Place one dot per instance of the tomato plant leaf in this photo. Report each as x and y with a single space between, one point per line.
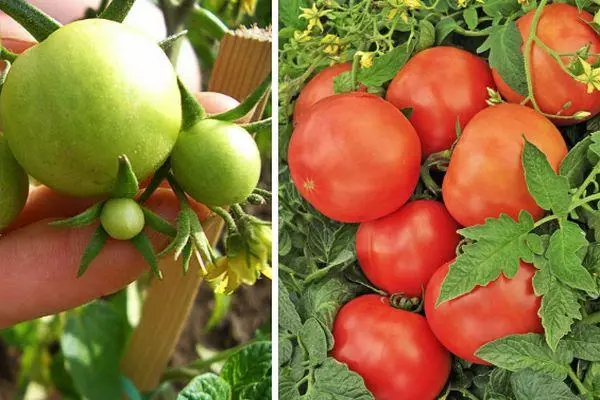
576 163
564 260
143 244
288 385
592 378
249 366
533 385
93 343
426 35
471 18
158 223
248 104
444 28
550 191
126 184
504 44
519 352
499 386
288 13
386 66
93 248
500 8
191 110
313 340
343 83
85 218
584 341
560 307
206 387
500 244
289 320
333 380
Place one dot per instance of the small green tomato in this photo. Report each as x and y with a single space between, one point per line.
123 219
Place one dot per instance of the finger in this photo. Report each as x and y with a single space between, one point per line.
39 264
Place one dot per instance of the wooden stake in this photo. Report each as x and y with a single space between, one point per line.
243 62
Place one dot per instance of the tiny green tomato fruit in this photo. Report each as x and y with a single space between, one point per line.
216 162
92 91
122 219
14 185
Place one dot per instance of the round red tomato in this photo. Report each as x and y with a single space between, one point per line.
485 177
400 251
318 88
564 29
355 157
504 307
393 350
441 84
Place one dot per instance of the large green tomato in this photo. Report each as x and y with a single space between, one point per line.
93 90
216 162
14 185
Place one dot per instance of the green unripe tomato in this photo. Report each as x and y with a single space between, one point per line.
93 90
122 219
14 185
216 162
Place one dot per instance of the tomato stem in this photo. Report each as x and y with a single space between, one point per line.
592 319
528 51
582 389
35 21
221 212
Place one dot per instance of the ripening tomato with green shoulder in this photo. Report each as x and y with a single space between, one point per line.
485 177
392 349
319 88
442 85
501 308
565 30
216 162
67 126
14 185
354 157
399 252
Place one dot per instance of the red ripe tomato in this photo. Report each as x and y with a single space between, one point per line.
355 157
564 29
400 251
485 177
393 350
318 88
503 307
441 84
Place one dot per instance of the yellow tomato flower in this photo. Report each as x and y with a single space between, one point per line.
590 76
332 44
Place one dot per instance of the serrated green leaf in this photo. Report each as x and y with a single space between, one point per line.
592 378
444 28
532 385
564 261
527 351
471 18
289 320
206 387
249 366
584 341
143 244
92 250
85 218
386 66
285 351
343 83
426 35
500 8
592 220
333 380
499 387
550 191
313 340
575 164
560 308
504 44
500 244
126 185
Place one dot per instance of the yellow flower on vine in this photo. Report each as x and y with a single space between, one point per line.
248 6
332 44
462 3
590 76
366 59
313 15
302 36
412 4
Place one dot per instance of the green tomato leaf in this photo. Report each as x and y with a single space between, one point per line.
248 104
92 250
247 367
500 8
93 343
584 342
592 220
527 351
289 320
499 386
286 350
86 218
564 260
258 391
206 387
288 388
592 378
343 83
313 340
576 164
143 244
532 385
333 380
426 35
550 191
471 18
444 28
500 244
289 11
560 307
386 66
504 44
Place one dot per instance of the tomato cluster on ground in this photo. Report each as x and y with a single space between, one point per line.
356 158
